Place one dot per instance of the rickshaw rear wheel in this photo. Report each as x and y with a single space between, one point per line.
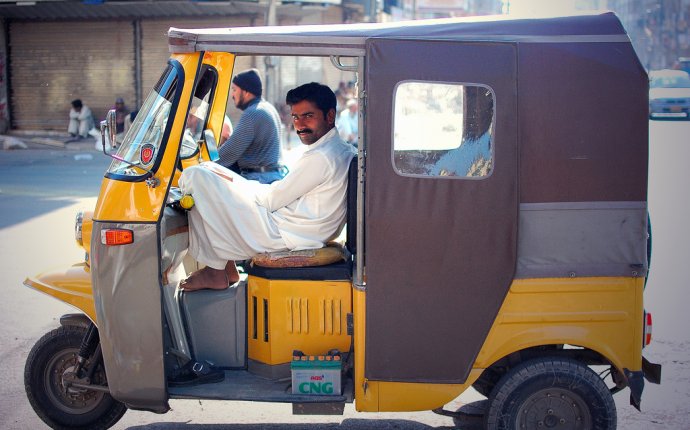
52 359
551 392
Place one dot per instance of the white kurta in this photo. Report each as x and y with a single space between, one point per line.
235 219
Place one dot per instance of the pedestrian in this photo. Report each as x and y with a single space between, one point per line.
121 113
348 122
253 148
80 120
235 219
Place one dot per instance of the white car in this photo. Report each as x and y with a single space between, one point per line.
669 94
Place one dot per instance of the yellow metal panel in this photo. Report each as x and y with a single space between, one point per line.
71 286
145 203
301 315
366 397
403 396
602 314
224 63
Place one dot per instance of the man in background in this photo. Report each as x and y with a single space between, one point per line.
253 149
80 120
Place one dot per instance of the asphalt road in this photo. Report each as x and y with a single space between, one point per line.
41 190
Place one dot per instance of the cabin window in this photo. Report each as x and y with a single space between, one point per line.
443 130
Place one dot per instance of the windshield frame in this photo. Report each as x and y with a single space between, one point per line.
173 74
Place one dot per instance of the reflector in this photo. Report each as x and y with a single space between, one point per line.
116 236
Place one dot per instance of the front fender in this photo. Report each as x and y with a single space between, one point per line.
71 285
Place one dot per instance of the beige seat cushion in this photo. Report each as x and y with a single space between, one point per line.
331 253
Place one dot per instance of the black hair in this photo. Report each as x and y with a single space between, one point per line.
76 104
321 95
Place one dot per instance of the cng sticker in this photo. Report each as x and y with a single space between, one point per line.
316 386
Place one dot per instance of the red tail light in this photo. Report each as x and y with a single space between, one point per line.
647 332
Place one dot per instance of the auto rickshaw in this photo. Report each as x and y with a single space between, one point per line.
497 238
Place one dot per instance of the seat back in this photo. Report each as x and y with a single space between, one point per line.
351 218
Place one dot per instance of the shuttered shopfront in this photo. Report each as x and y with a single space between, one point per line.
53 63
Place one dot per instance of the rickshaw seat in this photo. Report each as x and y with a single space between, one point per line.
296 266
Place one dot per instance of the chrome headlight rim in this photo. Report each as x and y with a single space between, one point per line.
78 233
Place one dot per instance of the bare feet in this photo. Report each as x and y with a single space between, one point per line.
231 272
206 278
212 279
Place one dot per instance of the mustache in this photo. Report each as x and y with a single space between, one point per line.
305 131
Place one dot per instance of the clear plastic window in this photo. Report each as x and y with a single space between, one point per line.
443 130
143 139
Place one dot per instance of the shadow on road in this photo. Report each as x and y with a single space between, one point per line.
348 424
17 211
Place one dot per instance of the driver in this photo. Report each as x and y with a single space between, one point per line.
234 218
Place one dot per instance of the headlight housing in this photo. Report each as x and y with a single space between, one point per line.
78 230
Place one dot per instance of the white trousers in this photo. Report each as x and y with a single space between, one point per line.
226 223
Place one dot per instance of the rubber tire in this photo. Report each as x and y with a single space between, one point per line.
520 390
64 343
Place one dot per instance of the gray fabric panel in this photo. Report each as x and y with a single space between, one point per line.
127 295
581 239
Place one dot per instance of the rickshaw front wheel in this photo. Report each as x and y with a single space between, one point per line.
49 367
551 392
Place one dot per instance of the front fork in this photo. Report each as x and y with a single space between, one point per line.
90 348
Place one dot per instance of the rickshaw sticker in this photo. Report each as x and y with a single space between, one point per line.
146 153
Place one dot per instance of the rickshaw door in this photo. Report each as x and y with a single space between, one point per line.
441 202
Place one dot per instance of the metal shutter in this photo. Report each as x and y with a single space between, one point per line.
52 63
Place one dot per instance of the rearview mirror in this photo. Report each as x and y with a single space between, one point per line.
211 145
109 129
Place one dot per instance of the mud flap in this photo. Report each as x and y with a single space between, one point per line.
651 372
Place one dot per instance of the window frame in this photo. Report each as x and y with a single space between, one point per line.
492 130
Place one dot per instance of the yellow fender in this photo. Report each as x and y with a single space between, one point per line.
71 285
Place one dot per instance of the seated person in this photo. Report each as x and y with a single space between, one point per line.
80 120
234 218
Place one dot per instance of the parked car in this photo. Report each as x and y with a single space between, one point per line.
669 94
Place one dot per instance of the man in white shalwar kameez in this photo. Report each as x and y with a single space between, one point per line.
235 219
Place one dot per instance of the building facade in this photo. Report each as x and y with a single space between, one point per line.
53 52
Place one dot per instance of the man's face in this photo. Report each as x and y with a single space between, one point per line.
239 96
310 123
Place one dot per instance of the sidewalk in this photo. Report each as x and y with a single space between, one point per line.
45 139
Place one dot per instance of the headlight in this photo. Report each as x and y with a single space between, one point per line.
78 229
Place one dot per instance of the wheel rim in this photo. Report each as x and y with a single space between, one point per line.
70 400
554 408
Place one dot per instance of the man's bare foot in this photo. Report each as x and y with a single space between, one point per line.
231 272
206 278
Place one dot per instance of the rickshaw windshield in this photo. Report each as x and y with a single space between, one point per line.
140 147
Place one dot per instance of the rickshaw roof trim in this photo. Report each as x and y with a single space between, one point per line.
350 39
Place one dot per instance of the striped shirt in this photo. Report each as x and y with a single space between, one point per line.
255 141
